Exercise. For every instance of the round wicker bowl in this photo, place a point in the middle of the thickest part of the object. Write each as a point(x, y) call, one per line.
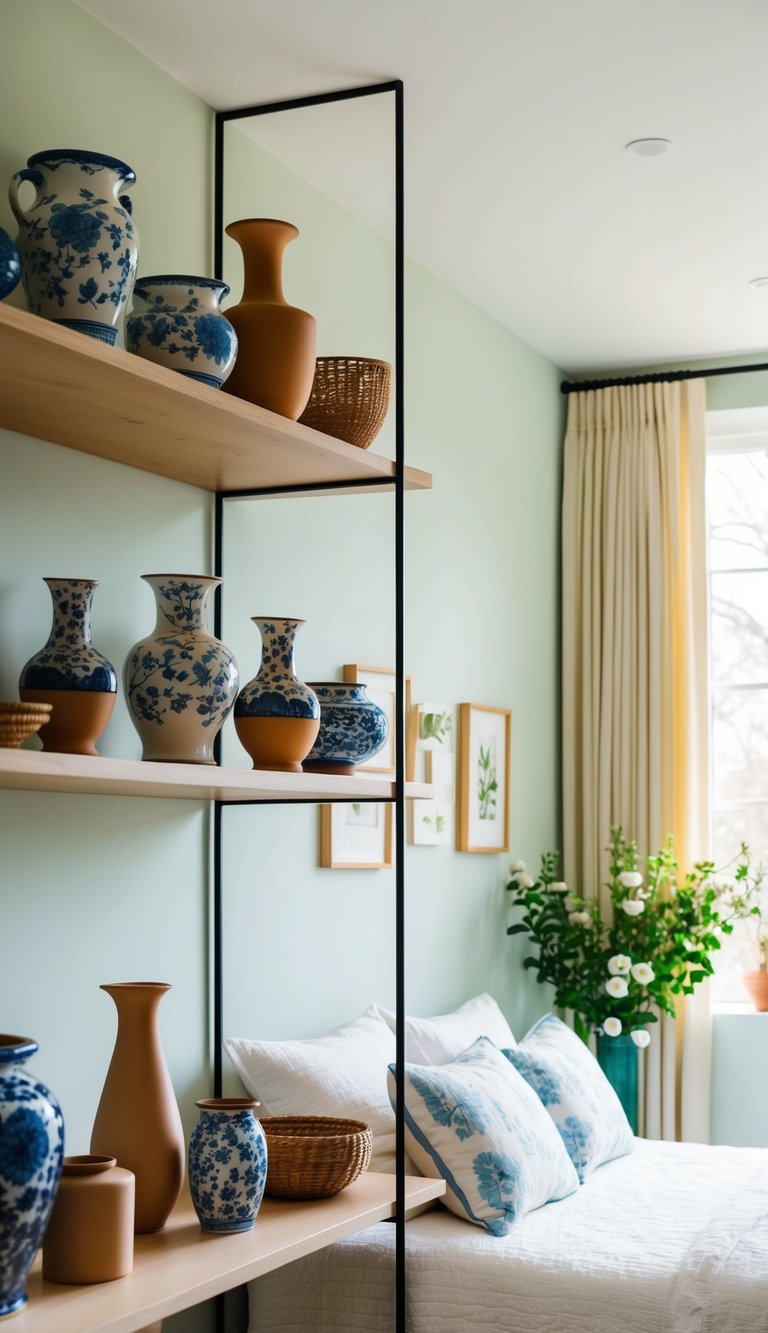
point(19, 721)
point(313, 1156)
point(349, 398)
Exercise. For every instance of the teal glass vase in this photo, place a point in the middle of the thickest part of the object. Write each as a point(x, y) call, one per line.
point(617, 1057)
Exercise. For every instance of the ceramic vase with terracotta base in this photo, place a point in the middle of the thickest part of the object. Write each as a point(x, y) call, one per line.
point(138, 1121)
point(90, 1234)
point(69, 673)
point(757, 988)
point(277, 716)
point(275, 363)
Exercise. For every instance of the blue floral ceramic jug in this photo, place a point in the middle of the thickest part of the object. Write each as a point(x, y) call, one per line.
point(176, 322)
point(78, 245)
point(227, 1164)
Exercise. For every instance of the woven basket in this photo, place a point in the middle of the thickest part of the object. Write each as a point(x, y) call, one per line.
point(349, 399)
point(314, 1156)
point(19, 721)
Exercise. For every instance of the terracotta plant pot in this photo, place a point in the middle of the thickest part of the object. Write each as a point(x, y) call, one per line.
point(90, 1234)
point(757, 986)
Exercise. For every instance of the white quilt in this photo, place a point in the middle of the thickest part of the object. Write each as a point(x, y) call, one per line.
point(670, 1239)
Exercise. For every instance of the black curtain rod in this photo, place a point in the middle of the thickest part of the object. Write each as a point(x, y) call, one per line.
point(661, 377)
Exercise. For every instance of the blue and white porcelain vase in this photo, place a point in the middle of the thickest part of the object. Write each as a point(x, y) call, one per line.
point(31, 1157)
point(352, 728)
point(10, 265)
point(277, 716)
point(176, 322)
point(79, 247)
point(69, 673)
point(180, 681)
point(227, 1164)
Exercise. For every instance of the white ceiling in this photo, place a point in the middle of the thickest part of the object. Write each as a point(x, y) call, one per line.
point(520, 193)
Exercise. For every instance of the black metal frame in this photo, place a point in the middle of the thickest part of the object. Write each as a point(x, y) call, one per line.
point(394, 87)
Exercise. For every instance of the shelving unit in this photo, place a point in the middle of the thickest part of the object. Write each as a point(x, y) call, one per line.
point(182, 1265)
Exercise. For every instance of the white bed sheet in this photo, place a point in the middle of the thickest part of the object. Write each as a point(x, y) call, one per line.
point(672, 1238)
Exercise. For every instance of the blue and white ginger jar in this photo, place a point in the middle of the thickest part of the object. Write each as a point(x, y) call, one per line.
point(10, 265)
point(176, 322)
point(31, 1158)
point(180, 681)
point(352, 728)
point(78, 244)
point(227, 1164)
point(277, 716)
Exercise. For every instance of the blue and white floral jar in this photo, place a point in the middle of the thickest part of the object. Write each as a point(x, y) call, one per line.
point(180, 681)
point(352, 728)
point(177, 323)
point(31, 1157)
point(227, 1164)
point(277, 716)
point(78, 244)
point(69, 673)
point(10, 265)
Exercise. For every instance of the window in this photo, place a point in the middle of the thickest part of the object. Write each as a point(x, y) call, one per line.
point(737, 511)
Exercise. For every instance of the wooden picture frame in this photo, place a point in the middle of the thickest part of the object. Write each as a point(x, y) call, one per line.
point(483, 787)
point(356, 835)
point(380, 683)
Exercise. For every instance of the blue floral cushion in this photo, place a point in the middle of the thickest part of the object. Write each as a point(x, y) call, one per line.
point(476, 1123)
point(574, 1090)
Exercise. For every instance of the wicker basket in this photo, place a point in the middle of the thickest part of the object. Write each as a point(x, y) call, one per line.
point(314, 1156)
point(19, 721)
point(349, 399)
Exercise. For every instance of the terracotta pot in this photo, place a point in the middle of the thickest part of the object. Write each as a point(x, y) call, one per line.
point(277, 716)
point(90, 1234)
point(138, 1121)
point(275, 363)
point(757, 986)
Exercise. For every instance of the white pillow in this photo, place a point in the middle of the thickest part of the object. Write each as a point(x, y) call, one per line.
point(433, 1041)
point(476, 1123)
point(574, 1090)
point(342, 1074)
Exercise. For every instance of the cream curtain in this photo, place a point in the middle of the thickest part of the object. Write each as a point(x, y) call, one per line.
point(635, 709)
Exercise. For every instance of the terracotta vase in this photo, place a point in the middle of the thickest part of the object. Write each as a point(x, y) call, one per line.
point(275, 363)
point(138, 1121)
point(69, 673)
point(90, 1234)
point(277, 716)
point(757, 986)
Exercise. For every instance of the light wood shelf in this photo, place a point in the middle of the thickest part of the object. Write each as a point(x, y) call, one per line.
point(59, 385)
point(182, 1265)
point(37, 770)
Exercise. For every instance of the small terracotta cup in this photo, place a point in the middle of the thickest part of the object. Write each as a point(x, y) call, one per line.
point(90, 1234)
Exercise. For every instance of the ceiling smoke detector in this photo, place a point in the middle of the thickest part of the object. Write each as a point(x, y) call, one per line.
point(648, 147)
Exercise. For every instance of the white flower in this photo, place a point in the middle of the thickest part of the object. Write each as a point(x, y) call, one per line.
point(515, 866)
point(633, 906)
point(559, 886)
point(644, 973)
point(630, 879)
point(640, 1037)
point(617, 987)
point(619, 964)
point(570, 903)
point(612, 1027)
point(524, 881)
point(579, 918)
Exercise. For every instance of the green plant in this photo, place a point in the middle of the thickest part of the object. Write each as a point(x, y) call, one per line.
point(436, 726)
point(614, 970)
point(487, 785)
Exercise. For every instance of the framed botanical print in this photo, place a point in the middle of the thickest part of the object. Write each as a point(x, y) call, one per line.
point(356, 835)
point(484, 752)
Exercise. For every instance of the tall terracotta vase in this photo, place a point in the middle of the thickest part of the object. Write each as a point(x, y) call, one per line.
point(138, 1120)
point(275, 363)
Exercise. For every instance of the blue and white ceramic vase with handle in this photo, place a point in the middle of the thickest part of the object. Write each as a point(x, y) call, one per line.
point(78, 244)
point(277, 716)
point(352, 728)
point(227, 1164)
point(180, 681)
point(31, 1158)
point(176, 322)
point(69, 673)
point(10, 265)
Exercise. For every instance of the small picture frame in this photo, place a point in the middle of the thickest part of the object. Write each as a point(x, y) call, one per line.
point(484, 757)
point(380, 687)
point(356, 835)
point(430, 729)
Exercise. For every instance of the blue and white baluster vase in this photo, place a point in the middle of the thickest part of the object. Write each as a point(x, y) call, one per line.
point(69, 673)
point(180, 681)
point(10, 265)
point(227, 1164)
point(277, 716)
point(352, 728)
point(31, 1157)
point(78, 244)
point(176, 322)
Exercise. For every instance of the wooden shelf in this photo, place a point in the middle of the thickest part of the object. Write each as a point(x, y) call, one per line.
point(59, 385)
point(182, 1265)
point(36, 770)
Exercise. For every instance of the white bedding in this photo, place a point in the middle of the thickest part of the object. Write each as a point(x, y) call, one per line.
point(670, 1239)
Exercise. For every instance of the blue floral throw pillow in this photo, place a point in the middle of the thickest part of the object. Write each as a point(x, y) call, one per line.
point(572, 1087)
point(476, 1123)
